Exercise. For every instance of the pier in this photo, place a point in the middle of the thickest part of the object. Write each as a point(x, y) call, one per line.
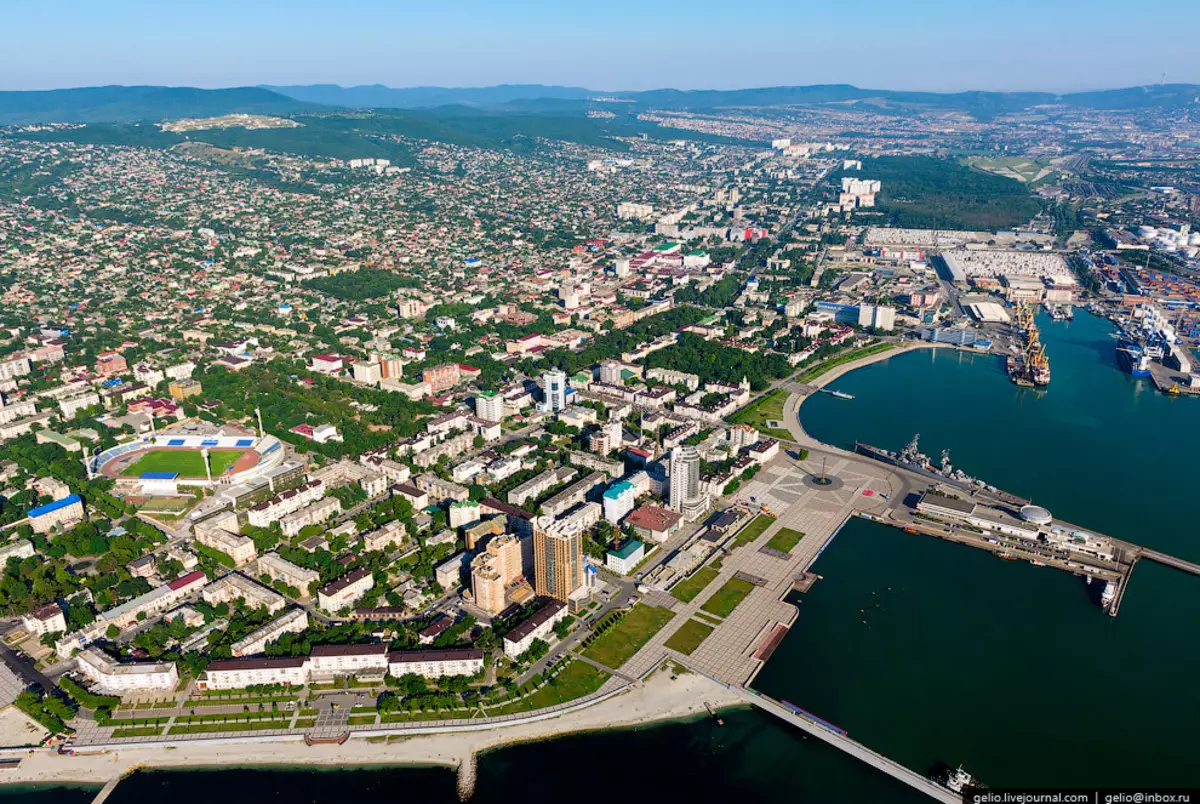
point(1171, 561)
point(107, 790)
point(852, 747)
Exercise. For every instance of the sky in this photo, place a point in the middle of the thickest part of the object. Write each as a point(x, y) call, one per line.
point(936, 45)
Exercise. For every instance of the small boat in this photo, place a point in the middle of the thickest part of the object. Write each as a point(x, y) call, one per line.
point(957, 780)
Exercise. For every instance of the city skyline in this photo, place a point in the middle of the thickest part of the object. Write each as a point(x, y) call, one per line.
point(933, 46)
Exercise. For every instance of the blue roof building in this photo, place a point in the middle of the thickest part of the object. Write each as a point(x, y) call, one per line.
point(57, 505)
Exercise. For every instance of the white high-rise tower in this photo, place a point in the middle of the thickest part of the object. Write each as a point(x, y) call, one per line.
point(685, 495)
point(554, 388)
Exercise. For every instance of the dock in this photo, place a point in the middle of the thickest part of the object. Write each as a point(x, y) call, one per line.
point(1116, 568)
point(804, 582)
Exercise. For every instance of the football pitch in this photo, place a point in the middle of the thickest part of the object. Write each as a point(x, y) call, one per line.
point(186, 462)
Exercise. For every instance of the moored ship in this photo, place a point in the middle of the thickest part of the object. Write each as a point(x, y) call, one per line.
point(1132, 357)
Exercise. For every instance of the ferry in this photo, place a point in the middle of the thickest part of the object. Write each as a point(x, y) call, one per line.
point(1109, 594)
point(841, 395)
point(1132, 357)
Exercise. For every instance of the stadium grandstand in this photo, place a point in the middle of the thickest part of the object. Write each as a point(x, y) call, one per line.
point(158, 463)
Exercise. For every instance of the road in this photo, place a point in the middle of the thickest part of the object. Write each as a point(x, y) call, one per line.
point(24, 669)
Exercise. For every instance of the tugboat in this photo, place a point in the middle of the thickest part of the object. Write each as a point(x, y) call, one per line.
point(957, 780)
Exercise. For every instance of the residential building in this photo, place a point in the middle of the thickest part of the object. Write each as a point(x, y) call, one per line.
point(443, 377)
point(48, 619)
point(619, 499)
point(493, 570)
point(436, 663)
point(557, 562)
point(388, 535)
point(114, 677)
point(280, 569)
point(233, 674)
point(313, 514)
point(449, 574)
point(234, 586)
point(489, 405)
point(554, 390)
point(184, 388)
point(685, 495)
point(337, 661)
point(345, 591)
point(540, 625)
point(464, 512)
point(240, 548)
point(60, 513)
point(293, 622)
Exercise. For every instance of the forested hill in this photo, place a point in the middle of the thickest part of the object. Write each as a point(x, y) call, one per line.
point(126, 104)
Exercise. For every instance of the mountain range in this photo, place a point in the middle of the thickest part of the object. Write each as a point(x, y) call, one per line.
point(119, 104)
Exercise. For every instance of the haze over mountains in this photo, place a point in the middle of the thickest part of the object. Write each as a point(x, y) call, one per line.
point(113, 104)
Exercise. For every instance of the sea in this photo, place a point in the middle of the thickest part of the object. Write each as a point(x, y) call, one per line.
point(931, 653)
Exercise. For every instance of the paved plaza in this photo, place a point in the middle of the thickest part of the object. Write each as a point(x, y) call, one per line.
point(786, 487)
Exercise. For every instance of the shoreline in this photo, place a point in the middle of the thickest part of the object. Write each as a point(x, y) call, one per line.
point(791, 408)
point(655, 701)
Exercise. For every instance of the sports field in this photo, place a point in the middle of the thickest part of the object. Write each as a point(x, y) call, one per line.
point(187, 462)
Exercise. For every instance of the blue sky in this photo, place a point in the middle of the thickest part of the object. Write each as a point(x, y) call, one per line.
point(618, 44)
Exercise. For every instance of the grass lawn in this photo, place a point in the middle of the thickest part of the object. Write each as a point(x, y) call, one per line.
point(208, 728)
point(137, 731)
point(167, 504)
point(576, 680)
point(616, 645)
point(686, 590)
point(728, 597)
point(361, 720)
point(816, 371)
point(785, 540)
point(416, 717)
point(763, 410)
point(752, 531)
point(188, 463)
point(689, 636)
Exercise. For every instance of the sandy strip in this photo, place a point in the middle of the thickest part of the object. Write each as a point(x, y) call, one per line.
point(658, 699)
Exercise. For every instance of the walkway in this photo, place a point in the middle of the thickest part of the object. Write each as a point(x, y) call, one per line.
point(851, 747)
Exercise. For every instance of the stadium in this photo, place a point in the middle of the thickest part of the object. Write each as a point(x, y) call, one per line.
point(157, 463)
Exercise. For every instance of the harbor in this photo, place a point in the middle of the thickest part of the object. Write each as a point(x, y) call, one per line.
point(1086, 450)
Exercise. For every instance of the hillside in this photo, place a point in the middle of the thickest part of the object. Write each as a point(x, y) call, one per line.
point(377, 96)
point(117, 104)
point(112, 104)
